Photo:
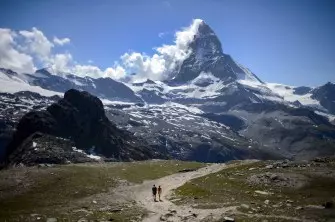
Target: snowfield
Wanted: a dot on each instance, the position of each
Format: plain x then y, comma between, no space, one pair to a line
13,85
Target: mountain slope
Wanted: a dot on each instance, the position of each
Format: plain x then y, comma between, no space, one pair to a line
210,109
105,88
80,118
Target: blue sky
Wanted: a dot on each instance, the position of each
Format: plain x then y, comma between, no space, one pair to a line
286,41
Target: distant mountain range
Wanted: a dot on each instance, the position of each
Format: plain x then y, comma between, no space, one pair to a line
211,109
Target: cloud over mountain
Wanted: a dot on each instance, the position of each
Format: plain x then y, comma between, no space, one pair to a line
27,50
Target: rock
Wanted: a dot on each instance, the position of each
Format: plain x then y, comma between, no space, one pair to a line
299,208
267,202
262,192
115,210
245,206
315,207
194,215
228,219
289,201
82,220
94,201
169,215
186,217
252,168
83,211
328,205
173,211
289,205
285,165
51,220
163,218
269,167
274,177
186,170
104,209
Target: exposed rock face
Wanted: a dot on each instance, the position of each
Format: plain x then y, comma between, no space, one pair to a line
41,148
326,95
13,107
80,117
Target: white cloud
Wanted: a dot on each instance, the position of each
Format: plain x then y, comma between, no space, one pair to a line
167,58
162,34
61,62
87,70
61,42
37,44
10,57
117,72
19,52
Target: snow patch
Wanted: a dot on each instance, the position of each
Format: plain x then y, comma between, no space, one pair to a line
9,85
92,156
287,92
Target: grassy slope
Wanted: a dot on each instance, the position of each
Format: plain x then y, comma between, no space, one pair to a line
230,188
57,191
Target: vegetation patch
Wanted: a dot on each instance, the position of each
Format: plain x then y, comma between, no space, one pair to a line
76,191
232,187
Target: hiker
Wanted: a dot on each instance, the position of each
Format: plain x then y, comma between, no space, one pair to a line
159,193
154,192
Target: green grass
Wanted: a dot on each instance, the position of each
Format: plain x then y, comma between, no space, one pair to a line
55,191
230,188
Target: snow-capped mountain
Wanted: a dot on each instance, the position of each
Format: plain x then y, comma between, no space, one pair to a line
105,88
211,109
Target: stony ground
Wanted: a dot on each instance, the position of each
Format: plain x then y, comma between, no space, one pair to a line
81,191
235,191
266,191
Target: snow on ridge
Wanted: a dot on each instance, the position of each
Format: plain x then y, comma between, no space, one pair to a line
247,75
115,102
203,76
92,156
330,117
10,86
190,109
287,92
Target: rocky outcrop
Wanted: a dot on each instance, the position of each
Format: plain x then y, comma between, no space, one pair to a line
41,148
80,117
326,96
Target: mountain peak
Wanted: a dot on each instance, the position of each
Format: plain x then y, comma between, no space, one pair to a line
206,55
205,39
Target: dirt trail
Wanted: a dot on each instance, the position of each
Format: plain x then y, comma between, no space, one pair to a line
142,195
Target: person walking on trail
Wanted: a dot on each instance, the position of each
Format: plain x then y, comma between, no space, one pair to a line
159,193
154,192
